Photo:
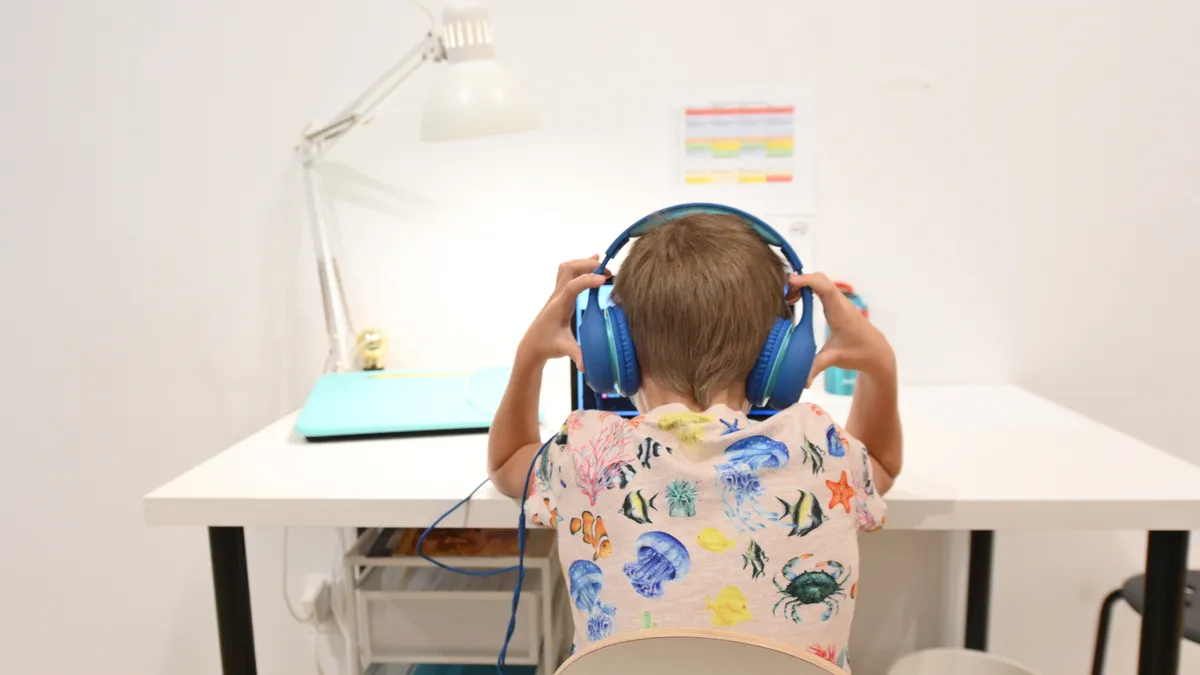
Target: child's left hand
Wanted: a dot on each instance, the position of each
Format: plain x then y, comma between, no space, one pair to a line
854,343
549,336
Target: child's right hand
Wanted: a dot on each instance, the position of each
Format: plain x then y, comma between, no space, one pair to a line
854,343
549,336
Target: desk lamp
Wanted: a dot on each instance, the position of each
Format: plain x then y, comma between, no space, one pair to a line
473,96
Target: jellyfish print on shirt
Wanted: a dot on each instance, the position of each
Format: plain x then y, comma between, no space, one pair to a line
660,558
585,580
739,479
833,441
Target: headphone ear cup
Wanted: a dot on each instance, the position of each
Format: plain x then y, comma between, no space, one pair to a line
593,342
626,366
794,366
760,377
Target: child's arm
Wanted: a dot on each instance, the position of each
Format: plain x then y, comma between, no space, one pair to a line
875,420
855,344
513,439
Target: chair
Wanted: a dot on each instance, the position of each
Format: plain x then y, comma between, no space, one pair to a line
1134,593
956,662
694,651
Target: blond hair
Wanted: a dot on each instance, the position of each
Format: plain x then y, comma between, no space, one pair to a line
701,294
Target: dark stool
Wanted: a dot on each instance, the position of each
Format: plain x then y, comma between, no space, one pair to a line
1134,593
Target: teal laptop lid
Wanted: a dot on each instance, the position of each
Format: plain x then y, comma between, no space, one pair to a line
389,402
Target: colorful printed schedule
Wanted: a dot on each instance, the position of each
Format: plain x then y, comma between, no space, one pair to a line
739,144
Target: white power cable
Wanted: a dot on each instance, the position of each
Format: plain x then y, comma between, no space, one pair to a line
316,642
287,600
309,620
425,8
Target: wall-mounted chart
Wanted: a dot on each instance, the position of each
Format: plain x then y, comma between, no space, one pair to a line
751,147
748,143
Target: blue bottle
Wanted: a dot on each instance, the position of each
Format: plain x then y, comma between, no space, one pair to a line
837,381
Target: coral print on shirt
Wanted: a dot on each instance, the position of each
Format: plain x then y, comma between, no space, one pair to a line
684,519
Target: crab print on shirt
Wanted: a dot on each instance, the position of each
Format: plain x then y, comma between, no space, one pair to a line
679,519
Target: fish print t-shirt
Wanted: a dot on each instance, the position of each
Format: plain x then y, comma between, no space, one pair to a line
679,519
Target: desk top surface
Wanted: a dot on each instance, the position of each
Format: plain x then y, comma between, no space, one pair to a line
976,457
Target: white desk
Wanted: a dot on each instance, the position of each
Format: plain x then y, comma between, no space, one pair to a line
976,458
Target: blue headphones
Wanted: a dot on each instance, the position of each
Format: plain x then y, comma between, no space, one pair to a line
610,363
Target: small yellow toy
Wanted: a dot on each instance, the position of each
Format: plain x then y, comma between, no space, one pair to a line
372,349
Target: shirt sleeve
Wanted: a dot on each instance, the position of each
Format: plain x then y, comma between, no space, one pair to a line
541,503
869,506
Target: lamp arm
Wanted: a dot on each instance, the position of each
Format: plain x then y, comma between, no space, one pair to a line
314,146
338,327
358,112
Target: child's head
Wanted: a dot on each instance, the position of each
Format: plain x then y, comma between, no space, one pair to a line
701,294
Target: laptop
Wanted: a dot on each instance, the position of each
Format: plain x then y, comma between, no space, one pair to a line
582,396
401,402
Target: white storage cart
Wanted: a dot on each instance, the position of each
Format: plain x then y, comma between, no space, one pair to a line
404,610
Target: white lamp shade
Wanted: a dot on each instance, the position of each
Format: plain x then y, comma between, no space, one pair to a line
479,97
474,95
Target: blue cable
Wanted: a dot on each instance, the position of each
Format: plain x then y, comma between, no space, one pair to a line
519,567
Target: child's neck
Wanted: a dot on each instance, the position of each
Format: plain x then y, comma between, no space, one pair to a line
651,395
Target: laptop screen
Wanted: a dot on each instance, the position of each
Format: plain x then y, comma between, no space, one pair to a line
582,396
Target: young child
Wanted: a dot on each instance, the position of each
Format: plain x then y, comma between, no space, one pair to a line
691,515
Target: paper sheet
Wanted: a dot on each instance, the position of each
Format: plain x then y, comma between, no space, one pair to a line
749,147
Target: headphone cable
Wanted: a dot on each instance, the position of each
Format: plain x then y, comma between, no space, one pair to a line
519,567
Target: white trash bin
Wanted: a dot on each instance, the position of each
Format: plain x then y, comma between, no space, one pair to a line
956,662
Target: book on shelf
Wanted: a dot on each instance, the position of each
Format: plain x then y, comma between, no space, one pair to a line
448,542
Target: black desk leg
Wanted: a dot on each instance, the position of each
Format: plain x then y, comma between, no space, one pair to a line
1162,622
231,585
979,589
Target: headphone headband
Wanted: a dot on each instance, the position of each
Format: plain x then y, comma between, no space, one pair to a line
671,213
779,374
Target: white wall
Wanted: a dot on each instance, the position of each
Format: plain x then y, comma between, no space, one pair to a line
151,312
1000,179
1114,284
